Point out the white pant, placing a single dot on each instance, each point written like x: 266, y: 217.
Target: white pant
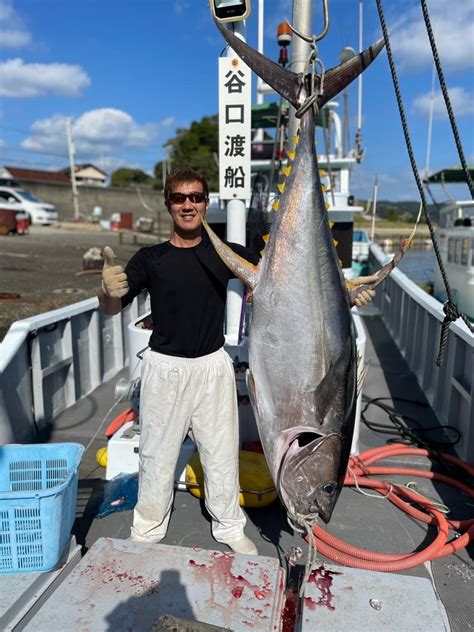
x: 178, y: 394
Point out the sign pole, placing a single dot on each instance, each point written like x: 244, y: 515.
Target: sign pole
x: 234, y: 163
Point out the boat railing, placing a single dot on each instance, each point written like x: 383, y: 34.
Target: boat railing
x: 413, y: 319
x: 50, y: 361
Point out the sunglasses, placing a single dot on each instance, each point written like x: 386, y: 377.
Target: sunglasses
x: 180, y: 198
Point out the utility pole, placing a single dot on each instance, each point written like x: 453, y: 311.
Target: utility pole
x: 72, y: 167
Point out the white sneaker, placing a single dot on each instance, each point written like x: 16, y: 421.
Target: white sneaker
x: 243, y: 545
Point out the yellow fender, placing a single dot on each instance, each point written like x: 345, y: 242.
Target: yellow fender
x: 101, y: 457
x: 254, y: 477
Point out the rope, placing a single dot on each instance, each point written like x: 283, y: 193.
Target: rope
x: 412, y: 502
x: 450, y: 307
x: 447, y: 100
x: 305, y: 525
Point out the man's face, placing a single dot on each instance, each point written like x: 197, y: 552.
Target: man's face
x: 186, y: 213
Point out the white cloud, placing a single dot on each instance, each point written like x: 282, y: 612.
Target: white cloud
x: 13, y: 33
x: 391, y: 185
x: 21, y: 80
x: 452, y: 24
x: 3, y: 144
x: 112, y: 126
x: 181, y: 6
x: 461, y: 101
x: 99, y: 135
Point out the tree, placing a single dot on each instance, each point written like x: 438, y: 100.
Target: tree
x: 128, y: 177
x: 197, y: 147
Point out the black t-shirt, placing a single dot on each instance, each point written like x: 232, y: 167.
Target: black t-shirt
x: 187, y: 288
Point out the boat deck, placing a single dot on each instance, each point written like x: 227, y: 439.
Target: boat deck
x: 361, y: 520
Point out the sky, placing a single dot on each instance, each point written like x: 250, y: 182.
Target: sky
x: 128, y: 74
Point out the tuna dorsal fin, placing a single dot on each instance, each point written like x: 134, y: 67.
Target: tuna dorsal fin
x: 337, y: 78
x: 244, y: 270
x: 285, y: 82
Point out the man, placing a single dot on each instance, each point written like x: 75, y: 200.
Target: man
x: 187, y: 379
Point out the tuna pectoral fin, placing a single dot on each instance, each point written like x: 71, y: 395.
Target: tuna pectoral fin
x: 362, y: 284
x: 244, y: 270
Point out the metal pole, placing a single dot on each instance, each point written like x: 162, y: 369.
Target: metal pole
x: 261, y: 7
x: 374, y: 210
x: 430, y: 124
x: 301, y: 21
x: 72, y: 167
x: 359, y: 99
x: 260, y: 97
x: 236, y: 224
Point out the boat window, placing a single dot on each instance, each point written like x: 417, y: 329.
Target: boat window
x: 468, y: 211
x: 360, y: 235
x: 336, y: 181
x: 451, y: 250
x: 466, y: 242
x: 457, y: 250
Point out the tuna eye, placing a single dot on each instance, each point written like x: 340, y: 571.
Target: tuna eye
x: 328, y: 488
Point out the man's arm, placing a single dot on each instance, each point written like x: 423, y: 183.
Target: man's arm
x: 110, y: 305
x: 114, y: 285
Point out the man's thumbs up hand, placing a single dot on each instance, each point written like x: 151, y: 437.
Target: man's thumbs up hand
x: 114, y: 279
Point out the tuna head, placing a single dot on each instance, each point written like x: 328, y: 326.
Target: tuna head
x: 310, y: 475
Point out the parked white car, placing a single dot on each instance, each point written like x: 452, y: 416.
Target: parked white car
x: 38, y: 212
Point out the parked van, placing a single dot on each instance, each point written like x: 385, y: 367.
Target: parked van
x: 38, y: 212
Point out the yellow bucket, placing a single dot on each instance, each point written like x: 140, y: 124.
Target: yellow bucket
x: 256, y: 485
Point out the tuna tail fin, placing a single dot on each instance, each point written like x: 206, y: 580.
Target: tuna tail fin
x: 285, y: 82
x: 337, y: 78
x: 244, y: 270
x: 289, y: 84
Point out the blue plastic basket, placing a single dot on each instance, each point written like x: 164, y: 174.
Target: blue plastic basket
x: 38, y: 493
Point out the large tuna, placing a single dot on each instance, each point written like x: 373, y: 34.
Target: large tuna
x: 302, y: 353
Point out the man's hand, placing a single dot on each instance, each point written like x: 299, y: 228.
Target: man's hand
x: 359, y: 289
x: 114, y: 279
x: 364, y: 297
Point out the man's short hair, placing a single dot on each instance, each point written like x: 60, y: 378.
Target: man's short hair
x: 178, y: 175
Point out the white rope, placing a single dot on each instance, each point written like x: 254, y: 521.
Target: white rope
x: 304, y: 525
x: 368, y: 494
x: 439, y: 506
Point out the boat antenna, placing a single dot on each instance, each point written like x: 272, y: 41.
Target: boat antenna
x: 359, y: 151
x: 374, y: 210
x: 430, y: 126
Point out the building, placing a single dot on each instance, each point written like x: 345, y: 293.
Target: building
x: 17, y: 175
x: 88, y: 174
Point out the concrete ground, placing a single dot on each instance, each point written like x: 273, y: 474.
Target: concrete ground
x: 42, y: 267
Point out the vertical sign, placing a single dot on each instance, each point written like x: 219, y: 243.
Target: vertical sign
x: 234, y: 129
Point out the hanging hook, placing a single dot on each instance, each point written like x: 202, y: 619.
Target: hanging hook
x: 315, y: 38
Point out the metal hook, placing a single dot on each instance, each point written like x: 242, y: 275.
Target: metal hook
x: 314, y: 38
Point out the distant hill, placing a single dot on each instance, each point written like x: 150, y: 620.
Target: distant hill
x: 402, y: 211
